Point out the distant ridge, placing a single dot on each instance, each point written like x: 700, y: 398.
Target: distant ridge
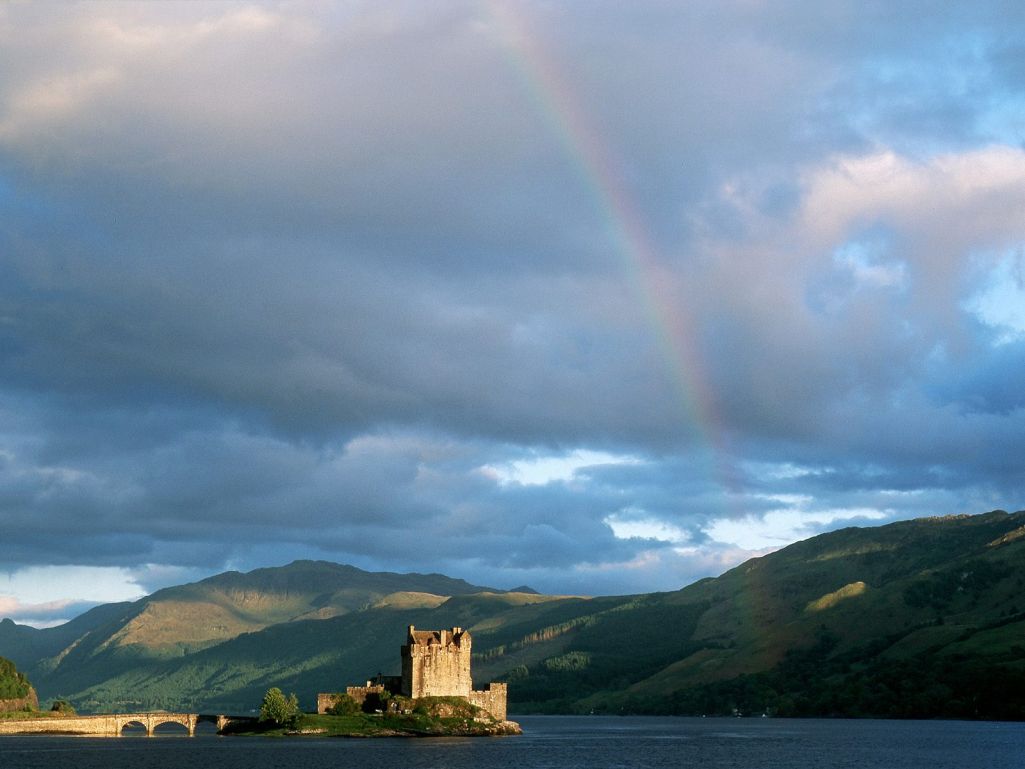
x: 523, y: 589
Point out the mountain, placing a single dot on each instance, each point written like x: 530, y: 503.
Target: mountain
x: 175, y: 623
x: 917, y: 618
x: 179, y: 620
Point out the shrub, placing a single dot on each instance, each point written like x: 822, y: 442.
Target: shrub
x: 63, y: 707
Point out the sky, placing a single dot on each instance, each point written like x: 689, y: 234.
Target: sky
x: 596, y: 297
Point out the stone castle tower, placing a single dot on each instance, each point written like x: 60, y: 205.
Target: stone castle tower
x: 436, y: 663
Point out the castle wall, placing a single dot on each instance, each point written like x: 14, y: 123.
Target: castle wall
x: 360, y: 693
x: 326, y: 701
x: 492, y: 698
x: 384, y: 685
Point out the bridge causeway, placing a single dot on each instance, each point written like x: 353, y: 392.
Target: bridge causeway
x: 112, y: 725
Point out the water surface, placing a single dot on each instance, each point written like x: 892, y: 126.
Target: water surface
x: 566, y: 742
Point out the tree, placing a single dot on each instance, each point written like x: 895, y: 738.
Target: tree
x: 278, y: 709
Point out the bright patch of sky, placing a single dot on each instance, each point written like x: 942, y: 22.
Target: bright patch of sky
x: 867, y: 262
x: 1001, y: 302
x: 542, y: 470
x: 626, y: 526
x: 778, y: 471
x: 48, y: 584
x: 781, y: 527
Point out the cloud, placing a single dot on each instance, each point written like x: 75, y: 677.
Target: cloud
x: 512, y: 291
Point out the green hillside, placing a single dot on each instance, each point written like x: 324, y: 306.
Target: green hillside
x: 306, y: 657
x: 918, y: 618
x: 25, y: 646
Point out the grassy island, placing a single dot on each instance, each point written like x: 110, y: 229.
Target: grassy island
x: 426, y: 717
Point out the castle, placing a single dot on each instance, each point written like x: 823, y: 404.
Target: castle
x: 435, y: 663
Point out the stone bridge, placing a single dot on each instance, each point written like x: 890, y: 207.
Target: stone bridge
x: 113, y: 725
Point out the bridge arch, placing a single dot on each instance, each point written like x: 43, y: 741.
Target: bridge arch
x: 172, y: 728
x: 129, y: 723
x: 150, y: 721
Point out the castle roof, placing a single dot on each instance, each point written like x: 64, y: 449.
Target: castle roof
x: 426, y: 637
x: 434, y: 637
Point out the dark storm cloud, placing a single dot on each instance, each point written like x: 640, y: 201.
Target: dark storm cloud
x: 308, y: 280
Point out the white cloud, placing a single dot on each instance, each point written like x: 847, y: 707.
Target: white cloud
x: 950, y: 199
x: 55, y: 99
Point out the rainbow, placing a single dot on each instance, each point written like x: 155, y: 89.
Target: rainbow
x: 649, y: 280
